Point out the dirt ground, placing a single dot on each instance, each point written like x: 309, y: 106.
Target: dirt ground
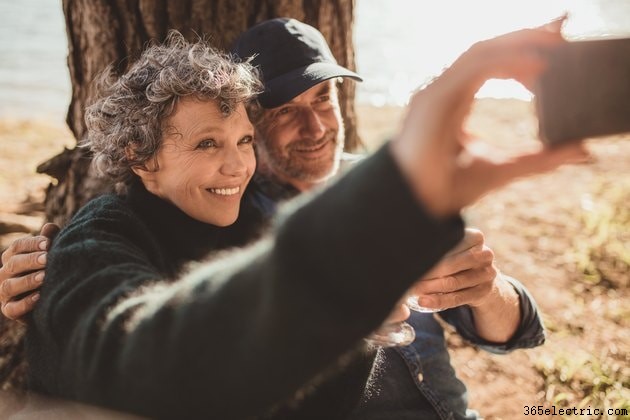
x: 536, y: 227
x: 539, y: 229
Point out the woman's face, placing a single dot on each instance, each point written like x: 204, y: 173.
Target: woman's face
x: 205, y: 162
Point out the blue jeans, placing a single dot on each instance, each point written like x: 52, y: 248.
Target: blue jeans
x: 416, y: 381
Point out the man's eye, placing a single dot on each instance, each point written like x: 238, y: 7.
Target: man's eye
x: 323, y: 103
x: 206, y: 144
x: 283, y: 111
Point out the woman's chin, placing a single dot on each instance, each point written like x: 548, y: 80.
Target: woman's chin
x: 221, y: 216
x: 223, y: 220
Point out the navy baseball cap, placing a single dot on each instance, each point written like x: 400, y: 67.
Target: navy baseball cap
x: 291, y: 56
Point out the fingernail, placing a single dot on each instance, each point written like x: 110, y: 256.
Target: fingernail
x: 426, y: 301
x: 35, y: 297
x: 39, y: 278
x: 43, y: 245
x: 42, y: 258
x: 477, y: 251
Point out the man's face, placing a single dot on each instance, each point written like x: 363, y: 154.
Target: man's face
x: 301, y: 141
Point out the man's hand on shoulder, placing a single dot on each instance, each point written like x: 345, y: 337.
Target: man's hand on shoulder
x: 22, y: 272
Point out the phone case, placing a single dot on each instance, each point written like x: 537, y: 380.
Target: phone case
x: 585, y: 91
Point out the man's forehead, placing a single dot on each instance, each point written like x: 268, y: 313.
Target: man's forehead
x: 323, y: 88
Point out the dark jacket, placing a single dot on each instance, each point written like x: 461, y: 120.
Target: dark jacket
x: 280, y: 321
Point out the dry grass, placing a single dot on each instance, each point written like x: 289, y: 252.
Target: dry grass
x: 566, y: 235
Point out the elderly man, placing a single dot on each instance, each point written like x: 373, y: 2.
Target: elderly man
x: 300, y: 147
x: 300, y: 139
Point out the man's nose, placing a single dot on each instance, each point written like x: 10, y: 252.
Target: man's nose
x: 311, y: 124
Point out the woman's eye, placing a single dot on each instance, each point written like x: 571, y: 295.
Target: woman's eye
x: 246, y: 140
x: 206, y: 144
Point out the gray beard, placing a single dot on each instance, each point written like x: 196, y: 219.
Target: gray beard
x: 287, y: 167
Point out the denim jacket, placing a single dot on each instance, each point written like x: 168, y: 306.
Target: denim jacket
x: 418, y: 381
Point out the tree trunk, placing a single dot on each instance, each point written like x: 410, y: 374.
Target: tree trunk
x: 104, y: 32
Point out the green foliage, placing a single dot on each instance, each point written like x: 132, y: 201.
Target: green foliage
x: 582, y: 380
x: 601, y: 251
x: 600, y: 254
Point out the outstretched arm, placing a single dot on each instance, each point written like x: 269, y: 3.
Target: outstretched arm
x: 288, y: 308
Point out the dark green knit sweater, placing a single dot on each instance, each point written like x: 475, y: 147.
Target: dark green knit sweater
x: 245, y: 333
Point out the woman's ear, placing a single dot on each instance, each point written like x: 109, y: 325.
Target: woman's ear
x: 145, y: 172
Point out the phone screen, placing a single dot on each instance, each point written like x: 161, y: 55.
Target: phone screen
x: 585, y: 91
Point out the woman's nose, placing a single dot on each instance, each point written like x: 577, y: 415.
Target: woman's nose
x: 233, y: 162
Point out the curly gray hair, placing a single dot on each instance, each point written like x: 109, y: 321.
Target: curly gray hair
x: 130, y: 114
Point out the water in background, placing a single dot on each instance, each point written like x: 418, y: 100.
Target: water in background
x: 34, y: 80
x: 399, y: 44
x: 402, y: 44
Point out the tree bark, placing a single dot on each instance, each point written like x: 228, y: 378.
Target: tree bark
x: 113, y: 32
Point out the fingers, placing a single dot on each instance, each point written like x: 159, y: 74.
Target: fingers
x: 15, y: 286
x: 514, y: 55
x: 25, y: 245
x: 471, y: 238
x: 540, y: 161
x: 21, y: 273
x: 471, y: 296
x: 20, y: 264
x: 470, y: 287
x: 399, y: 313
x: 50, y: 230
x: 17, y: 309
x: 481, y: 175
x: 554, y: 25
x: 456, y: 282
x: 477, y: 256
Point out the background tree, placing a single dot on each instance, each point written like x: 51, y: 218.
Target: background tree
x: 104, y: 32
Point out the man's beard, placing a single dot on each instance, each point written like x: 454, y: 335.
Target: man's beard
x: 287, y: 162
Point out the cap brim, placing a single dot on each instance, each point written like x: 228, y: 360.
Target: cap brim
x: 282, y: 89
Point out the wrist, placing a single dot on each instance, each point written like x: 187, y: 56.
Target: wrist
x: 502, y: 295
x: 418, y: 176
x: 498, y: 317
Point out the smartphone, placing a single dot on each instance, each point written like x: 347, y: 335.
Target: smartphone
x: 585, y: 91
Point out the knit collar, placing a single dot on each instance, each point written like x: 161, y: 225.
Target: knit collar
x: 273, y: 188
x: 185, y: 238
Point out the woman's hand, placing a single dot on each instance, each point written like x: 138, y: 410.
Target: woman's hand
x: 445, y: 168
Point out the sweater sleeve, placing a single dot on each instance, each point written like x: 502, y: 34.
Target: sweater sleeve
x: 254, y: 325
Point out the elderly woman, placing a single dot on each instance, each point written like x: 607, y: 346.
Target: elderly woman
x: 114, y: 328
x: 174, y: 135
x: 273, y: 331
